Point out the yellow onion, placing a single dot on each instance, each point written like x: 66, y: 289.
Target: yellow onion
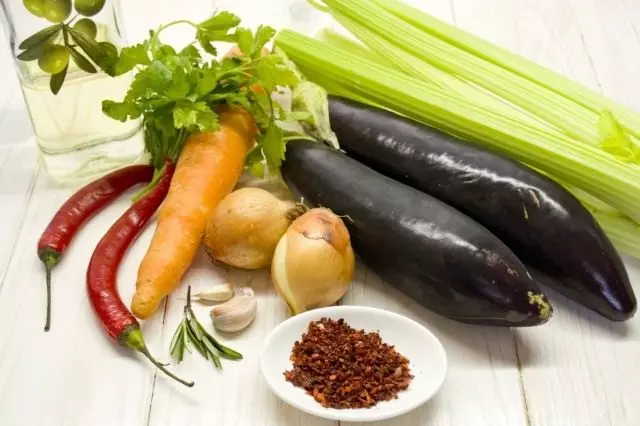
x: 314, y: 263
x: 246, y: 226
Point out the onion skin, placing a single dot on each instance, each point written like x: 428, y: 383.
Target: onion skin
x: 246, y: 226
x: 314, y: 262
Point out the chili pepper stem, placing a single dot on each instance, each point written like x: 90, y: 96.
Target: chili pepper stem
x: 157, y: 175
x: 50, y: 259
x: 133, y: 338
x: 47, y: 323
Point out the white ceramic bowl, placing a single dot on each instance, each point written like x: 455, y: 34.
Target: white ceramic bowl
x: 428, y: 361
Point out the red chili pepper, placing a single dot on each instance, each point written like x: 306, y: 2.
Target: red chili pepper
x: 116, y: 319
x: 77, y: 210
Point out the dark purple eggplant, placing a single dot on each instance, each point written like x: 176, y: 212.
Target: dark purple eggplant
x: 538, y: 219
x: 426, y: 249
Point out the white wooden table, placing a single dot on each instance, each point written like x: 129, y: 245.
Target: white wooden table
x: 577, y: 370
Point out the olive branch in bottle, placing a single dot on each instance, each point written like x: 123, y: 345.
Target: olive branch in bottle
x: 68, y: 38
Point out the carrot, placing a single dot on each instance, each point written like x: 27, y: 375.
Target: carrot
x: 208, y: 168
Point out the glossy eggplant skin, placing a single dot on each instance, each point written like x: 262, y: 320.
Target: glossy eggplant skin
x: 544, y: 224
x: 426, y: 249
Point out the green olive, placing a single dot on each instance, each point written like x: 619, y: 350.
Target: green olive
x: 108, y: 49
x: 36, y: 7
x: 57, y: 11
x: 87, y: 27
x: 89, y: 7
x: 54, y: 59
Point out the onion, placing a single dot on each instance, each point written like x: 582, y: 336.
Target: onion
x: 314, y: 263
x: 245, y: 228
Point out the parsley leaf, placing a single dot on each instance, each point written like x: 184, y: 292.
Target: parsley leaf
x: 264, y: 34
x: 195, y: 116
x: 223, y: 21
x: 163, y: 51
x: 273, y: 147
x: 179, y: 86
x: 132, y: 56
x: 178, y: 93
x: 160, y: 76
x: 121, y: 111
x: 272, y: 72
x: 191, y: 53
x: 205, y: 41
x: 244, y: 38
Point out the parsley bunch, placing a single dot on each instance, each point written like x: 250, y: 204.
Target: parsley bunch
x: 177, y: 92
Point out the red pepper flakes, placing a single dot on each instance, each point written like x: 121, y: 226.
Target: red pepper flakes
x: 346, y: 368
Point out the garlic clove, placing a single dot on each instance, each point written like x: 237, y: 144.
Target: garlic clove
x: 237, y: 313
x: 218, y: 293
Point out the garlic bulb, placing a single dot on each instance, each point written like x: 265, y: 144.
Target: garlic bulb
x: 314, y: 263
x: 245, y: 228
x: 218, y: 293
x: 237, y: 313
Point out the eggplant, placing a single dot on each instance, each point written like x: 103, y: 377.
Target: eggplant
x: 545, y: 225
x: 426, y: 249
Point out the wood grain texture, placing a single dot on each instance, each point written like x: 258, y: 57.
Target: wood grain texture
x: 578, y: 370
x: 72, y: 375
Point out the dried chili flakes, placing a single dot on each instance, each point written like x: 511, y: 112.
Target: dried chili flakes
x: 346, y: 368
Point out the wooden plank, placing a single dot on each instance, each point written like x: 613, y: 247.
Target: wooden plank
x: 579, y: 370
x: 610, y: 35
x: 17, y: 173
x: 576, y: 368
x: 73, y: 375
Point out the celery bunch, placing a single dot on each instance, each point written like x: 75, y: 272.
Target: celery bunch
x: 430, y: 71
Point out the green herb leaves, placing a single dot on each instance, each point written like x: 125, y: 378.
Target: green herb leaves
x: 190, y: 333
x: 216, y: 28
x: 178, y: 92
x: 194, y: 116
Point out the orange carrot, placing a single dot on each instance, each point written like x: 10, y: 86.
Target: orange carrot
x: 209, y: 167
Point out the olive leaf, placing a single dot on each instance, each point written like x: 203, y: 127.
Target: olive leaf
x: 91, y: 47
x: 40, y: 37
x: 82, y: 62
x: 32, y: 53
x: 55, y: 83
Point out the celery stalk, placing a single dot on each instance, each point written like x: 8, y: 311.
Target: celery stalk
x: 333, y: 38
x: 516, y: 64
x: 433, y: 75
x: 555, y: 109
x: 584, y: 166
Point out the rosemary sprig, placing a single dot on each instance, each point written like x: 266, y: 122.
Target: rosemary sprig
x: 190, y: 333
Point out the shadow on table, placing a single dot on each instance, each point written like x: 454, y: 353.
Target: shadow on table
x: 615, y: 330
x: 465, y: 344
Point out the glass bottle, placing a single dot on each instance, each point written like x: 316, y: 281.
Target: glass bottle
x: 61, y: 50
